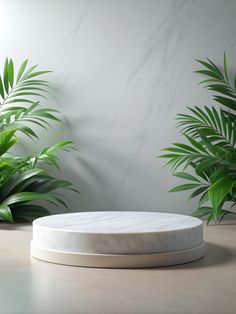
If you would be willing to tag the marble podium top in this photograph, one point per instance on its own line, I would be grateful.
(117, 232)
(118, 222)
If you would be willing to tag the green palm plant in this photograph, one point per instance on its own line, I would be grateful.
(25, 181)
(207, 159)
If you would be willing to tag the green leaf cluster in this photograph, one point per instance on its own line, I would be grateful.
(207, 158)
(26, 185)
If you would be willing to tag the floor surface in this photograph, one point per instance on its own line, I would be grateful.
(29, 286)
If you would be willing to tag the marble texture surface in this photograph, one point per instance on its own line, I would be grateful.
(122, 70)
(117, 232)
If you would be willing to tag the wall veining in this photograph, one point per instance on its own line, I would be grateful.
(123, 70)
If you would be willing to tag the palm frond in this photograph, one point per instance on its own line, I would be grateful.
(17, 89)
(219, 126)
(50, 155)
(21, 118)
(218, 81)
(23, 90)
(209, 149)
(24, 180)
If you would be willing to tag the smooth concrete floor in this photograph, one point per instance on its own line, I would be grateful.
(31, 286)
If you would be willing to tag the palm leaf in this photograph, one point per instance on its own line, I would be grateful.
(5, 213)
(210, 149)
(22, 182)
(27, 213)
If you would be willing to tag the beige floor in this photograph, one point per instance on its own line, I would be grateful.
(32, 286)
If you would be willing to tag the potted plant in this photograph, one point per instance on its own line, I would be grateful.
(207, 157)
(25, 181)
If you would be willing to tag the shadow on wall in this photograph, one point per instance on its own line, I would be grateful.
(99, 173)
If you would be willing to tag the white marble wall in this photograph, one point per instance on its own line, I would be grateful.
(124, 69)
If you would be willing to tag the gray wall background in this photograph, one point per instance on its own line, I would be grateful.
(123, 70)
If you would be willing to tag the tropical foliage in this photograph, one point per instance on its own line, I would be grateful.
(25, 185)
(207, 158)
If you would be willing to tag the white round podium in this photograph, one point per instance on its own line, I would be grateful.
(118, 239)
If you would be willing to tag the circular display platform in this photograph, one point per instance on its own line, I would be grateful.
(118, 239)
